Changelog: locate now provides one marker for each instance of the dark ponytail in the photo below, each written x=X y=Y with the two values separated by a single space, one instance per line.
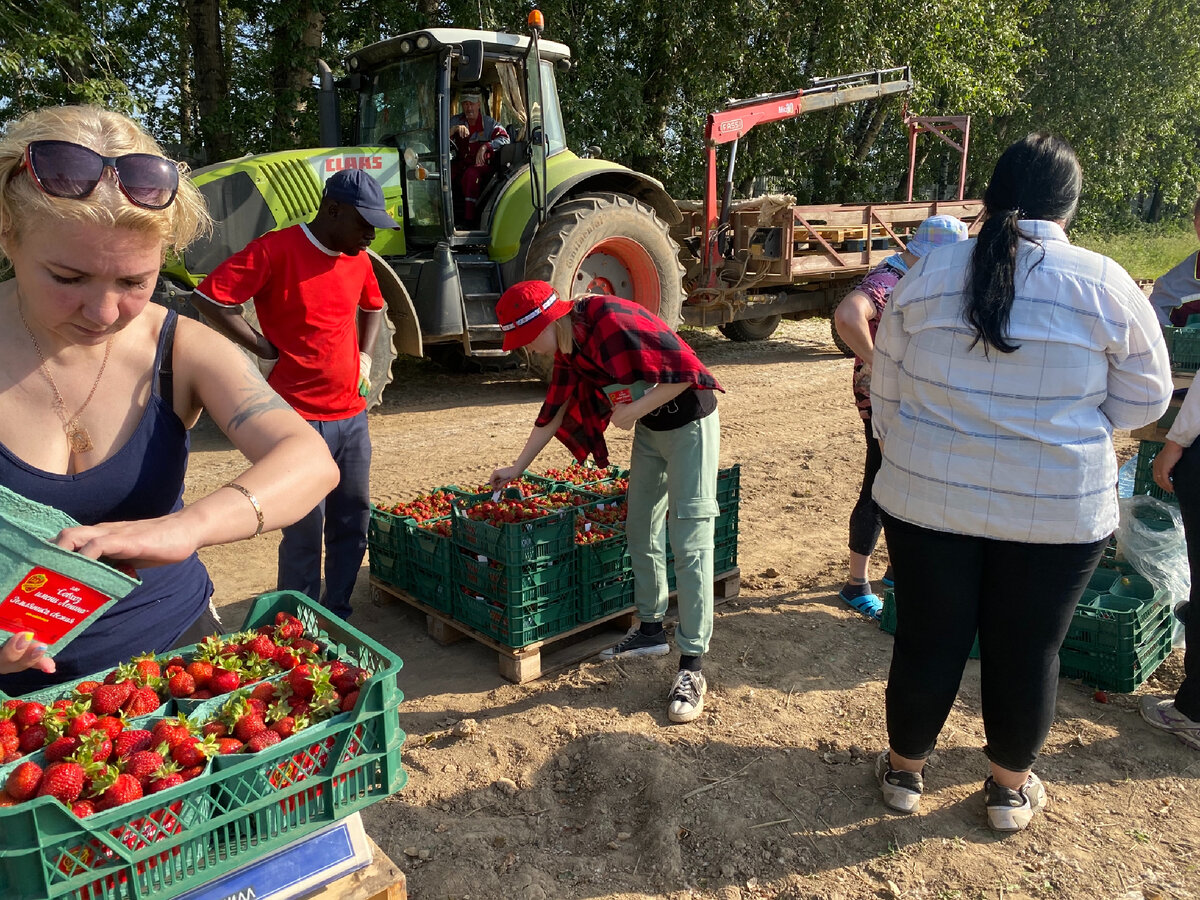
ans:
x=1038 y=177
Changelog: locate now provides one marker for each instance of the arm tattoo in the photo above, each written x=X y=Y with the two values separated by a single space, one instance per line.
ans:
x=258 y=397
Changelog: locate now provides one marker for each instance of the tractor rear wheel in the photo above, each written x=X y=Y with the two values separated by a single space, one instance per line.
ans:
x=751 y=329
x=608 y=243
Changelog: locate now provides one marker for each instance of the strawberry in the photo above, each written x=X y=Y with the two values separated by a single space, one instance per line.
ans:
x=227 y=745
x=261 y=646
x=6 y=800
x=8 y=726
x=23 y=781
x=349 y=701
x=110 y=725
x=82 y=723
x=141 y=702
x=108 y=698
x=257 y=705
x=248 y=726
x=176 y=662
x=201 y=671
x=29 y=713
x=147 y=669
x=181 y=684
x=33 y=738
x=285 y=658
x=10 y=748
x=285 y=727
x=202 y=694
x=287 y=627
x=57 y=751
x=143 y=764
x=86 y=687
x=264 y=692
x=193 y=752
x=262 y=740
x=130 y=742
x=305 y=646
x=167 y=778
x=63 y=781
x=223 y=681
x=83 y=808
x=171 y=731
x=96 y=746
x=300 y=681
x=215 y=727
x=193 y=772
x=124 y=789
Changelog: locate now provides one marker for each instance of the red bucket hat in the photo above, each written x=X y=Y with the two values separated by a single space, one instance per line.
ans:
x=525 y=309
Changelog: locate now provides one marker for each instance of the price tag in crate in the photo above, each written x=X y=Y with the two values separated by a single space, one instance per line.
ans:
x=297 y=869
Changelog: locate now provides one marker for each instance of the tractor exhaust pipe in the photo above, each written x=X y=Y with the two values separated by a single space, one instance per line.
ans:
x=328 y=118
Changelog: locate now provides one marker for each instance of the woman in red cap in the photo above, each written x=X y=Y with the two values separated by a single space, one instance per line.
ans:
x=599 y=342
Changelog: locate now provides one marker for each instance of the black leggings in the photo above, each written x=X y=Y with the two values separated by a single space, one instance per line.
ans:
x=1019 y=597
x=865 y=522
x=1187 y=488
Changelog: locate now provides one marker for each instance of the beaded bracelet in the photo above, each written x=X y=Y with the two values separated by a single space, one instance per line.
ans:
x=253 y=502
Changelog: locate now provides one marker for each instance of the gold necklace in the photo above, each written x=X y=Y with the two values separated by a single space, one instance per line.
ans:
x=77 y=435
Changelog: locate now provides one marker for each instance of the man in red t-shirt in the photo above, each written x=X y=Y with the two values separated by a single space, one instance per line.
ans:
x=319 y=308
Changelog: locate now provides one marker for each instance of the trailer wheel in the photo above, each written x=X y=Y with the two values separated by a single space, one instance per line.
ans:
x=837 y=339
x=751 y=329
x=609 y=244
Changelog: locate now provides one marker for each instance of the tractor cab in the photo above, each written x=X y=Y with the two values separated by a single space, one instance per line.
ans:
x=415 y=93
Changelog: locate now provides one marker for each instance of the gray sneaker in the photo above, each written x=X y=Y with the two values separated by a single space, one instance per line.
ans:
x=901 y=790
x=686 y=700
x=1009 y=810
x=637 y=644
x=1162 y=714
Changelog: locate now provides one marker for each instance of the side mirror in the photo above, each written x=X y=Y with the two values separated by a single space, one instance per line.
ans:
x=470 y=64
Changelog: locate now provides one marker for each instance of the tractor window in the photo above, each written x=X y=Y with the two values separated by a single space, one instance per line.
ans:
x=551 y=113
x=400 y=110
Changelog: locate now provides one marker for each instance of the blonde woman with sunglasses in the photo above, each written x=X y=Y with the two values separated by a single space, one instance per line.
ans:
x=99 y=387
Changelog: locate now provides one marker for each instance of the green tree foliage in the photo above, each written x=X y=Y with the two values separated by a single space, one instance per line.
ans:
x=1118 y=78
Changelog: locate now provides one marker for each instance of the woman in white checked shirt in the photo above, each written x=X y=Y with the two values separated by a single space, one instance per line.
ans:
x=1002 y=366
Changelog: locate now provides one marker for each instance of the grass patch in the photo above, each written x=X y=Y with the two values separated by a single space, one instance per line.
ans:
x=1145 y=253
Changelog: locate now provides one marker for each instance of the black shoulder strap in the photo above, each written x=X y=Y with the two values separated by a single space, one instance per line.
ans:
x=166 y=376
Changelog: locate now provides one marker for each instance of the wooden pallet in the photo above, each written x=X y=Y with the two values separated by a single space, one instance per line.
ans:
x=381 y=880
x=555 y=653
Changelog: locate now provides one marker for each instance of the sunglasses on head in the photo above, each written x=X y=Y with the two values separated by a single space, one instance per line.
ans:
x=72 y=171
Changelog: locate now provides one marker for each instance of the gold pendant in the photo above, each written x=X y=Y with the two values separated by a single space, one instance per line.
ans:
x=78 y=438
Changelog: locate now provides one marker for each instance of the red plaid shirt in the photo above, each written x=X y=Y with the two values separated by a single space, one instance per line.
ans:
x=616 y=342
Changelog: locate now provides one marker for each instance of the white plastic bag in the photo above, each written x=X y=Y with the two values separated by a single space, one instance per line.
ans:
x=1150 y=538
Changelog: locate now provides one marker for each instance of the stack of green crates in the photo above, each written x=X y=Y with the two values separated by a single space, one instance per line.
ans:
x=386 y=554
x=725 y=529
x=515 y=583
x=1120 y=631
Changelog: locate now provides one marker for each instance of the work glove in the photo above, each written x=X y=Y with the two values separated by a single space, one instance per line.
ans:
x=364 y=374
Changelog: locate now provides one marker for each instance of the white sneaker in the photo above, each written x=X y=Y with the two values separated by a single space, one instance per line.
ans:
x=686 y=700
x=1009 y=810
x=901 y=790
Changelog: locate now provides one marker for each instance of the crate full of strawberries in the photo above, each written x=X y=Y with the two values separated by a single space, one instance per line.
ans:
x=154 y=806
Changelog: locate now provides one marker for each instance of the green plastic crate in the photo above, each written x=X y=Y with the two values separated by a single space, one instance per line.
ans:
x=515 y=585
x=1118 y=670
x=429 y=570
x=386 y=566
x=888 y=621
x=601 y=599
x=386 y=530
x=1114 y=623
x=172 y=842
x=603 y=561
x=514 y=544
x=1143 y=476
x=517 y=625
x=729 y=487
x=1183 y=347
x=61 y=591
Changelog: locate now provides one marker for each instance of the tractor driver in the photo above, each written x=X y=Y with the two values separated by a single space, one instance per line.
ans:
x=475 y=138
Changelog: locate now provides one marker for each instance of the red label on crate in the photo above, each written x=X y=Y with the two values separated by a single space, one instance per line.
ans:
x=48 y=604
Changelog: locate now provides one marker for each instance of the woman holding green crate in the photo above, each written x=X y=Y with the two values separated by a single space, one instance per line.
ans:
x=98 y=386
x=614 y=361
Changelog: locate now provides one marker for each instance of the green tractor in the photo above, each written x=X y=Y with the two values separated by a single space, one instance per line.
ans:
x=582 y=224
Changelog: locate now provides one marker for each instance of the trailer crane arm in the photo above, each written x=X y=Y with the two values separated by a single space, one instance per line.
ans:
x=728 y=125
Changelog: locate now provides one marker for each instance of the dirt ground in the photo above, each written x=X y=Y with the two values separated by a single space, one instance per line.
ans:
x=576 y=785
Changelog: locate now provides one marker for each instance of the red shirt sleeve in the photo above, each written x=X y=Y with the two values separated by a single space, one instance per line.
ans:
x=241 y=276
x=372 y=297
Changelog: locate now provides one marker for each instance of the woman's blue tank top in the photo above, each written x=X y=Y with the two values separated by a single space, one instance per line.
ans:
x=142 y=480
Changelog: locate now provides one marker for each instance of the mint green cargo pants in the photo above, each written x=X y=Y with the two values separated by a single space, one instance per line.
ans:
x=677 y=471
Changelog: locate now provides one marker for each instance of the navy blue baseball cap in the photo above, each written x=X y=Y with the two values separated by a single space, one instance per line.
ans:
x=358 y=189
